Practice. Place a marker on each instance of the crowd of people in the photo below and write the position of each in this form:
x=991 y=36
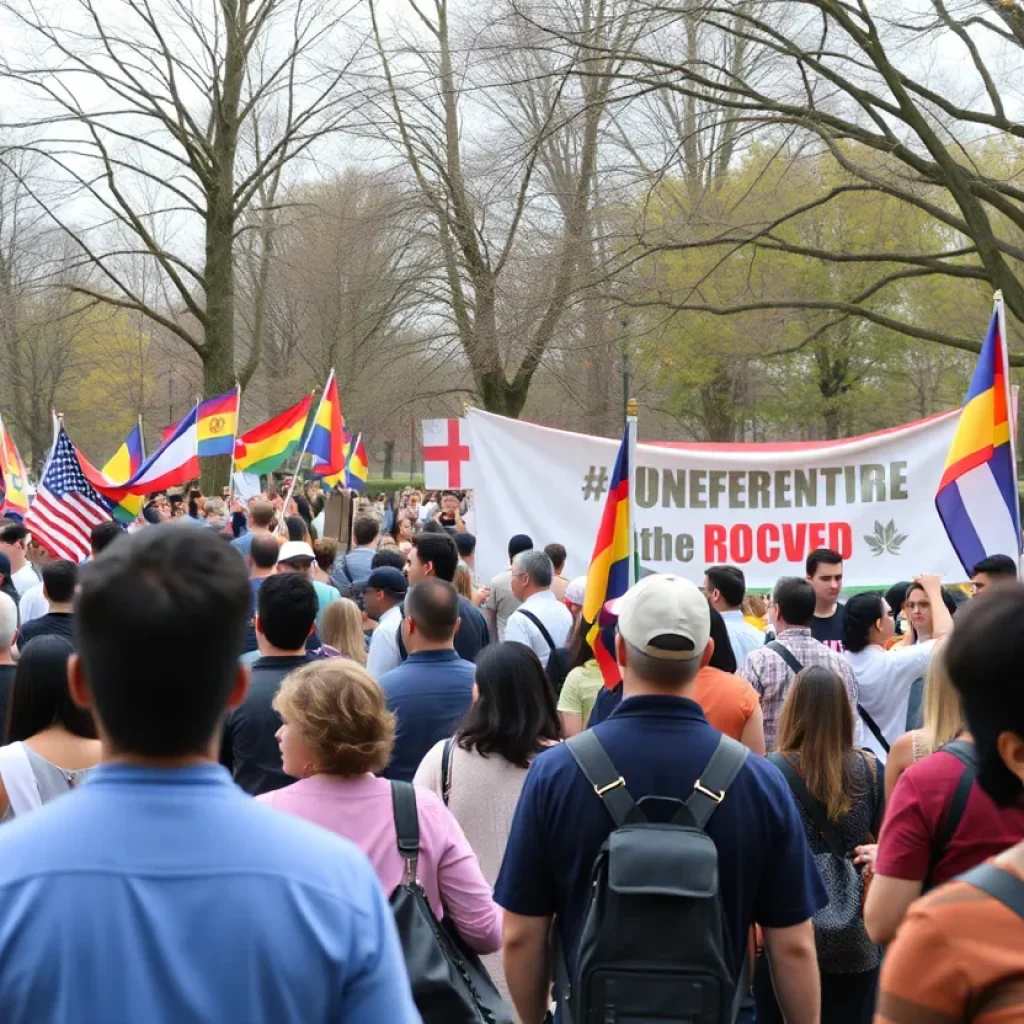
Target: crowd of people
x=783 y=807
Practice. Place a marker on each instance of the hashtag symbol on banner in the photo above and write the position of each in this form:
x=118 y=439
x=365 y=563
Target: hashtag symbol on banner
x=595 y=483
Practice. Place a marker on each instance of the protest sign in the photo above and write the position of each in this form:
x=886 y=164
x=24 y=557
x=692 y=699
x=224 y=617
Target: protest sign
x=761 y=507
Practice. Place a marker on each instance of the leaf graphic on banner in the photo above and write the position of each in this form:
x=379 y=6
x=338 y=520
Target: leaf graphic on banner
x=886 y=539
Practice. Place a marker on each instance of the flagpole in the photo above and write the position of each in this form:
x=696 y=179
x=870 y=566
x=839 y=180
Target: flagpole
x=631 y=426
x=1011 y=413
x=142 y=441
x=302 y=454
x=234 y=436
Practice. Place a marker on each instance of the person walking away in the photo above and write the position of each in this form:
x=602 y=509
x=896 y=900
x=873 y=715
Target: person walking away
x=558 y=555
x=262 y=562
x=297 y=556
x=60 y=577
x=726 y=586
x=325 y=550
x=351 y=570
x=8 y=631
x=884 y=678
x=180 y=863
x=285 y=611
x=660 y=744
x=433 y=688
x=771 y=669
x=479 y=772
x=51 y=743
x=541 y=621
x=336 y=735
x=501 y=601
x=578 y=688
x=839 y=790
x=385 y=591
x=993 y=571
x=14 y=544
x=943 y=722
x=825 y=574
x=341 y=629
x=959 y=953
x=729 y=702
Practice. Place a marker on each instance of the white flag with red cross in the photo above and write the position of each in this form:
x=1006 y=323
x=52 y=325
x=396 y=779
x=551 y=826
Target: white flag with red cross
x=447 y=459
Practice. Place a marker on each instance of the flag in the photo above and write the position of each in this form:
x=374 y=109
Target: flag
x=218 y=421
x=977 y=495
x=340 y=479
x=123 y=465
x=610 y=573
x=358 y=469
x=264 y=448
x=66 y=506
x=13 y=477
x=327 y=437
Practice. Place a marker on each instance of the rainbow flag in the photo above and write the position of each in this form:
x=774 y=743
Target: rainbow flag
x=611 y=573
x=327 y=437
x=123 y=465
x=13 y=478
x=264 y=448
x=358 y=469
x=218 y=422
x=977 y=495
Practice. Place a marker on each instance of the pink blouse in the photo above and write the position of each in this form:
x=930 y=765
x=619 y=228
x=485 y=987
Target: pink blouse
x=360 y=809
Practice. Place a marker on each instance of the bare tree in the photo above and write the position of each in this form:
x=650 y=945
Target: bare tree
x=149 y=111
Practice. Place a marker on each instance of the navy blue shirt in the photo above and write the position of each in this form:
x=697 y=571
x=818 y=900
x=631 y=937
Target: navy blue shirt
x=429 y=692
x=660 y=745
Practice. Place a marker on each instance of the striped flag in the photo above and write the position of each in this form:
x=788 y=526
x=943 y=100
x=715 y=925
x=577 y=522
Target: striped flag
x=977 y=495
x=66 y=506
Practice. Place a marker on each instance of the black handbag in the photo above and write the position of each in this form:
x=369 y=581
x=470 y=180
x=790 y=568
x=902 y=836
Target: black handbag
x=449 y=983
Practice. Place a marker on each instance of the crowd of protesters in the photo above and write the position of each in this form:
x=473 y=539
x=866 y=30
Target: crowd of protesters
x=868 y=842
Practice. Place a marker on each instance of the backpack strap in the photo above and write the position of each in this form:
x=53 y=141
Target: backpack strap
x=814 y=808
x=446 y=771
x=407 y=825
x=786 y=655
x=599 y=771
x=346 y=570
x=873 y=726
x=712 y=784
x=967 y=755
x=19 y=780
x=999 y=884
x=540 y=625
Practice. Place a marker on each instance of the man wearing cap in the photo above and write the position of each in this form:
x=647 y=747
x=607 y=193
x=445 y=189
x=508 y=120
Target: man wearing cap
x=382 y=600
x=296 y=556
x=501 y=602
x=660 y=742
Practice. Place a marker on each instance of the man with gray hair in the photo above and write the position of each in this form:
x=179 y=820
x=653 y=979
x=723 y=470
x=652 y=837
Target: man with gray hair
x=541 y=621
x=8 y=631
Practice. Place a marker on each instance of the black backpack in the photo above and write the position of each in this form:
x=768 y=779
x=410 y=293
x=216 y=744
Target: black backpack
x=653 y=942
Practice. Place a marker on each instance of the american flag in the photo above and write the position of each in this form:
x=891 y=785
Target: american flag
x=66 y=506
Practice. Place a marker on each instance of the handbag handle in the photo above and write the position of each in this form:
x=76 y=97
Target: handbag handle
x=812 y=805
x=407 y=826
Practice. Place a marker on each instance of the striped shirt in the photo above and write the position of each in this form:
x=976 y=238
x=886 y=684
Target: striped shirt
x=770 y=676
x=958 y=956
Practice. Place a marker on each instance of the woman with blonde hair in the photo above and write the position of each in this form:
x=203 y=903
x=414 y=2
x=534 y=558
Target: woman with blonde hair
x=337 y=734
x=463 y=581
x=943 y=721
x=341 y=627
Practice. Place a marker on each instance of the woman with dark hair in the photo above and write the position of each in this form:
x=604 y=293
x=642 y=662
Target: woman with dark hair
x=51 y=741
x=513 y=718
x=884 y=678
x=6 y=583
x=835 y=784
x=730 y=703
x=580 y=683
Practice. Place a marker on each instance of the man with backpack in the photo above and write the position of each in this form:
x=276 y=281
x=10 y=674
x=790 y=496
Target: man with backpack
x=656 y=843
x=352 y=569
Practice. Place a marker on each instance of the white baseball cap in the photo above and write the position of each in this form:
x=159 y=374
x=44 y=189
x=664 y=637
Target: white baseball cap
x=576 y=591
x=293 y=549
x=665 y=617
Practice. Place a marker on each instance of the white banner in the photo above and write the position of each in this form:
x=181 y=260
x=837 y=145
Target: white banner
x=761 y=507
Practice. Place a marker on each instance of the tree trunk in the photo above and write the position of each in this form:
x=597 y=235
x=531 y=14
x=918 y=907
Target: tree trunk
x=389 y=458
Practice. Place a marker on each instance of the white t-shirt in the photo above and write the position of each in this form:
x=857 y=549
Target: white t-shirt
x=384 y=654
x=24 y=579
x=557 y=621
x=33 y=604
x=884 y=679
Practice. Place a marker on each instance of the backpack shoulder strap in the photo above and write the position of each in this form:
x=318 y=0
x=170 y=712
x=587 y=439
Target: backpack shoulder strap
x=999 y=884
x=407 y=825
x=712 y=784
x=873 y=726
x=19 y=779
x=966 y=754
x=346 y=570
x=786 y=655
x=811 y=804
x=540 y=625
x=599 y=771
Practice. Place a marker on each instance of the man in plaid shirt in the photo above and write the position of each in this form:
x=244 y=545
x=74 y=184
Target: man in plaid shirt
x=770 y=672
